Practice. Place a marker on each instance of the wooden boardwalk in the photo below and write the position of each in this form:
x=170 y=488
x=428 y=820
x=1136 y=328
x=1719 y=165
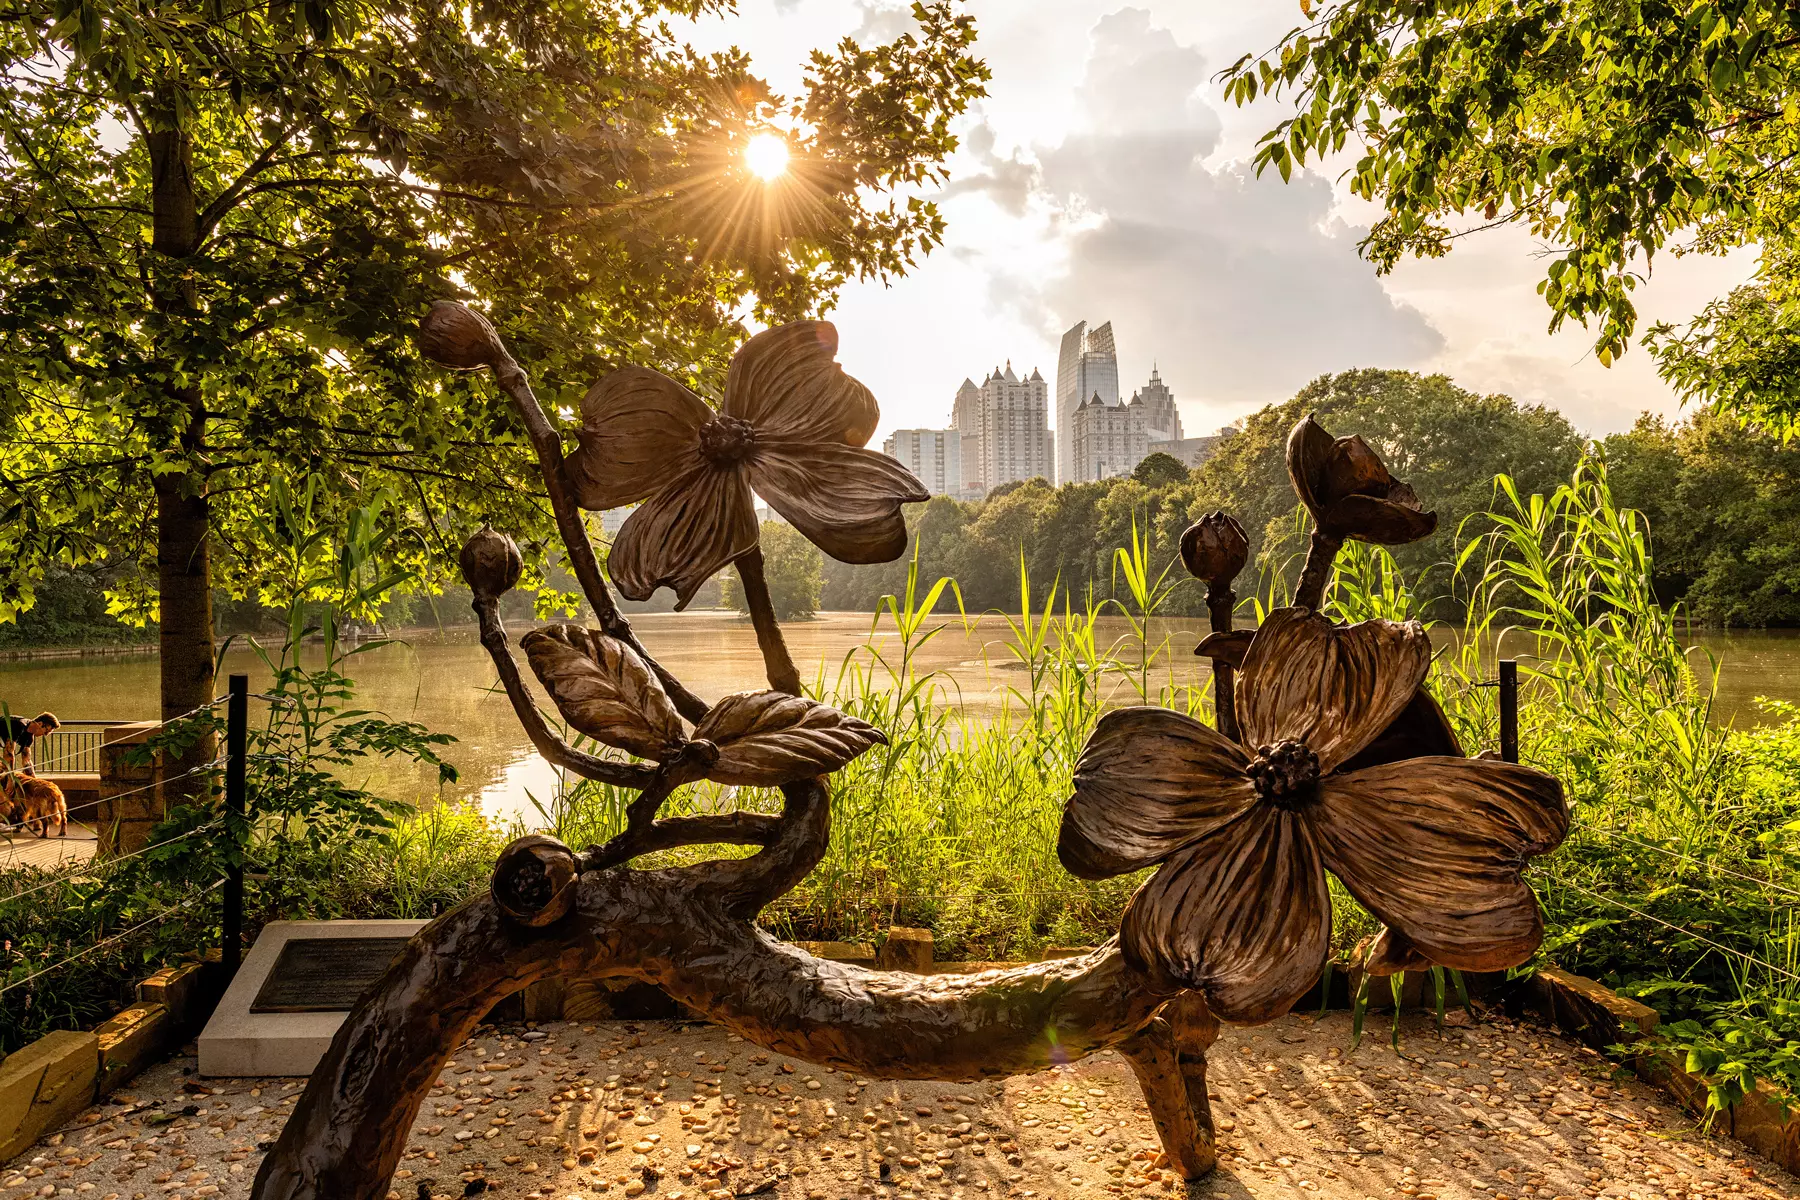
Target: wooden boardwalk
x=30 y=850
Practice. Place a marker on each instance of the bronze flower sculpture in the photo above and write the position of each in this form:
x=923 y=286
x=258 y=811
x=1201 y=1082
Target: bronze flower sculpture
x=1236 y=917
x=1238 y=908
x=791 y=426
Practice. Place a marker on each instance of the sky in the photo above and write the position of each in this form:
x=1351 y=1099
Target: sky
x=1105 y=177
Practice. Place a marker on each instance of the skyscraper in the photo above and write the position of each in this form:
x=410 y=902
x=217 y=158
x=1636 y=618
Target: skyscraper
x=1162 y=421
x=934 y=455
x=1087 y=366
x=1004 y=425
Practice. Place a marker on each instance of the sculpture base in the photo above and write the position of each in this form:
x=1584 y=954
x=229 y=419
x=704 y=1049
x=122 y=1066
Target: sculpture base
x=239 y=1041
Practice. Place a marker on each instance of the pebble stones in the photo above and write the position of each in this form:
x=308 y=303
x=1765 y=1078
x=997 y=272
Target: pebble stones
x=1496 y=1111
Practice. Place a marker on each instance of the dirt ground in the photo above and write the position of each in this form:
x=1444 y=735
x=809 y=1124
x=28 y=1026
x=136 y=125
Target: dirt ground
x=1495 y=1111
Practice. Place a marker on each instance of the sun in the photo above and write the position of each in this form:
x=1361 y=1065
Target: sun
x=767 y=156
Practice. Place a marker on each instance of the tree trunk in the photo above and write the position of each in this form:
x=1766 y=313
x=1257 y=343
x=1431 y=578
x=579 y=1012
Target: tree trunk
x=183 y=559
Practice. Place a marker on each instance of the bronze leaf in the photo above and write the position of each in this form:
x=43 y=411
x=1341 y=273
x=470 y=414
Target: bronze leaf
x=604 y=689
x=766 y=739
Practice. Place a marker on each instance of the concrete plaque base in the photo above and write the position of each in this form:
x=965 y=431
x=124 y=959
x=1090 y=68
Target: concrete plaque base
x=237 y=1041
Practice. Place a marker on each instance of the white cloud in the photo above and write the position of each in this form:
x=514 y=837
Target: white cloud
x=1104 y=177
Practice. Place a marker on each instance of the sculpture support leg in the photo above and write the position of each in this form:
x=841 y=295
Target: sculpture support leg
x=1168 y=1056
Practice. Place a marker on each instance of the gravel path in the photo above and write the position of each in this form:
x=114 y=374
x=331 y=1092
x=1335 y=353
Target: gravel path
x=1496 y=1111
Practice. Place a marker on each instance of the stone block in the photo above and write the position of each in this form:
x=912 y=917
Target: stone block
x=43 y=1087
x=905 y=950
x=859 y=953
x=1592 y=1012
x=239 y=1042
x=189 y=991
x=1667 y=1070
x=131 y=802
x=1767 y=1122
x=132 y=1041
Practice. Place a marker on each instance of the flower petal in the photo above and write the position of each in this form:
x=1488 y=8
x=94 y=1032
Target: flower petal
x=685 y=533
x=1420 y=731
x=1333 y=687
x=844 y=498
x=1309 y=449
x=1434 y=847
x=1390 y=953
x=1242 y=915
x=1149 y=782
x=786 y=382
x=638 y=428
x=1227 y=648
x=1370 y=519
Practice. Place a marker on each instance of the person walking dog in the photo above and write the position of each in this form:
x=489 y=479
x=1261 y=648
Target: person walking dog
x=16 y=737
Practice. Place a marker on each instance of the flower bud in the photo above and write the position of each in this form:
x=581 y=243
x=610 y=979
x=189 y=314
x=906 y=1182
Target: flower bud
x=491 y=563
x=534 y=880
x=455 y=335
x=1214 y=548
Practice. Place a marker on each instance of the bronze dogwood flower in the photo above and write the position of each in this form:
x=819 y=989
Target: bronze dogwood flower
x=792 y=427
x=1349 y=492
x=1244 y=834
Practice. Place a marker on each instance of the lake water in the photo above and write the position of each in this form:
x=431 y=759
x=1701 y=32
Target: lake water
x=446 y=682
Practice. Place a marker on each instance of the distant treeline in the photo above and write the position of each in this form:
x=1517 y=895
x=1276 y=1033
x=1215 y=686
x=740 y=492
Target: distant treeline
x=1723 y=503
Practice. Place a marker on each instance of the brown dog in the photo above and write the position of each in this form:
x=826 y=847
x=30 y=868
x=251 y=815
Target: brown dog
x=30 y=803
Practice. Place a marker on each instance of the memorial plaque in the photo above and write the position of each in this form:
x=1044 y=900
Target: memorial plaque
x=325 y=974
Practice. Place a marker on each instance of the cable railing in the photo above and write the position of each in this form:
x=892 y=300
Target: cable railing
x=229 y=884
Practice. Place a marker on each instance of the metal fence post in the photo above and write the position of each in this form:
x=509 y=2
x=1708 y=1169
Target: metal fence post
x=1509 y=710
x=237 y=720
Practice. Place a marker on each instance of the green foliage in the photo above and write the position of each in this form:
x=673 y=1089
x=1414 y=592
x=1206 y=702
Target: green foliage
x=1724 y=502
x=1605 y=130
x=1160 y=470
x=221 y=225
x=793 y=569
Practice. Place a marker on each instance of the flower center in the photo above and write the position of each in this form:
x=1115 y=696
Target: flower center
x=1286 y=775
x=727 y=440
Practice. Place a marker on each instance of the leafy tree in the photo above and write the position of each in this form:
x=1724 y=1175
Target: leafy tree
x=221 y=224
x=1723 y=504
x=1608 y=130
x=793 y=567
x=1160 y=470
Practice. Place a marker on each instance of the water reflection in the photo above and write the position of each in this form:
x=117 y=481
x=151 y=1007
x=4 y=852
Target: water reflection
x=445 y=682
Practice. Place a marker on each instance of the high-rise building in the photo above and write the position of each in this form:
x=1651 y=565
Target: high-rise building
x=1106 y=440
x=1109 y=439
x=1162 y=420
x=934 y=455
x=1004 y=425
x=1087 y=366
